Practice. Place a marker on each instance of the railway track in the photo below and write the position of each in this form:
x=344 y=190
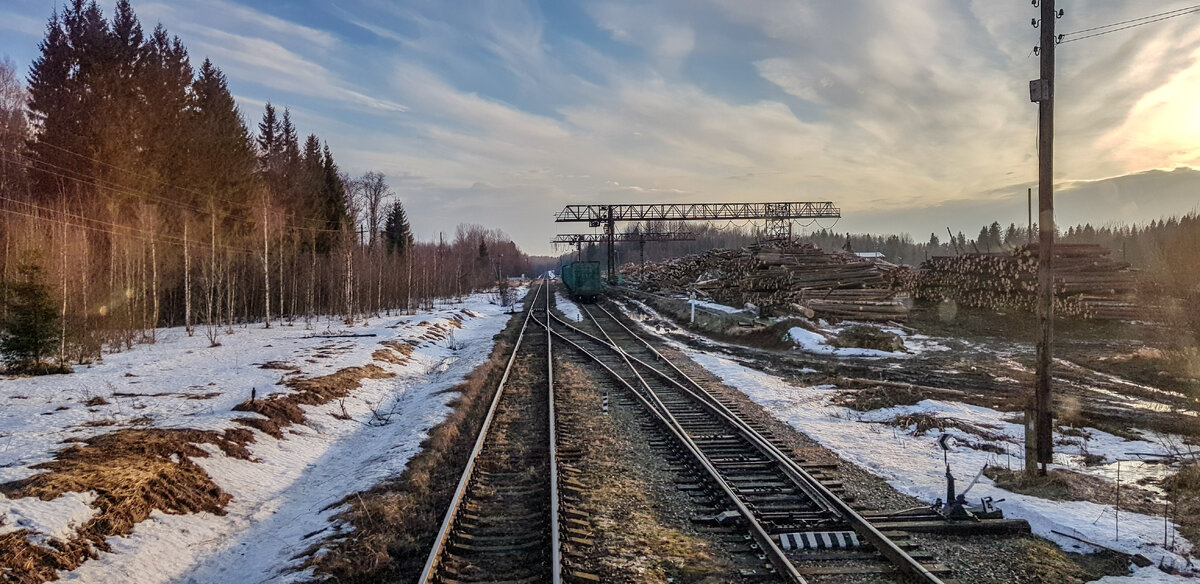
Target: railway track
x=779 y=502
x=503 y=524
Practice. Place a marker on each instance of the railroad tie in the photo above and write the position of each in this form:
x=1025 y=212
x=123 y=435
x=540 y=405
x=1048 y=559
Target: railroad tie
x=811 y=540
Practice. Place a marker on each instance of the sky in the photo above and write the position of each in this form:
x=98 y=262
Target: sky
x=911 y=116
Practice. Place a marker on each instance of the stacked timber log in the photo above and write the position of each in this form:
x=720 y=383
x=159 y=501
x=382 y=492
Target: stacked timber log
x=782 y=278
x=1087 y=283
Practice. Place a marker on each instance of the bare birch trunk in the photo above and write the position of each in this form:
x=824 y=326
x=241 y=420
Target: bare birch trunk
x=62 y=337
x=312 y=284
x=266 y=271
x=154 y=289
x=187 y=283
x=279 y=282
x=350 y=284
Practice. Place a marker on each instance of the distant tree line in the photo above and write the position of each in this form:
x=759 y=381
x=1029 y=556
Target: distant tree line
x=133 y=195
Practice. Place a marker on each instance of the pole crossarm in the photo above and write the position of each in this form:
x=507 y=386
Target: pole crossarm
x=581 y=238
x=599 y=214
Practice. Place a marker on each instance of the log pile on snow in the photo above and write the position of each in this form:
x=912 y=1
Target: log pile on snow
x=782 y=278
x=1087 y=283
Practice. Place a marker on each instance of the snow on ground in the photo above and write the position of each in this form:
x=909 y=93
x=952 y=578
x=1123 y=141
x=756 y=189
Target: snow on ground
x=817 y=342
x=814 y=342
x=281 y=502
x=567 y=307
x=46 y=520
x=913 y=464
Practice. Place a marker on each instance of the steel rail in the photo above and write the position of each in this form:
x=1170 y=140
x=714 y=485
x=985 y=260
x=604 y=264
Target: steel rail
x=886 y=547
x=779 y=559
x=555 y=544
x=800 y=479
x=439 y=543
x=764 y=540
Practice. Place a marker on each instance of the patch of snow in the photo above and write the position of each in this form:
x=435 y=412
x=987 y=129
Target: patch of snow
x=567 y=307
x=815 y=343
x=47 y=520
x=1149 y=574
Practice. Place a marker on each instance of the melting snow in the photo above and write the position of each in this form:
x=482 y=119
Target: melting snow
x=567 y=307
x=283 y=502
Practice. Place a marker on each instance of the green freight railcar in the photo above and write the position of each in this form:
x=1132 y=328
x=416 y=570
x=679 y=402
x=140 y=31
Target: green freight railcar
x=582 y=280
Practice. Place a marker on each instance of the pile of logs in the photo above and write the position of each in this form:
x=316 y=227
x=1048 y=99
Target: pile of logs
x=782 y=278
x=1087 y=283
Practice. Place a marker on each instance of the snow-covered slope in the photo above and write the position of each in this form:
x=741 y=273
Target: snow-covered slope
x=282 y=500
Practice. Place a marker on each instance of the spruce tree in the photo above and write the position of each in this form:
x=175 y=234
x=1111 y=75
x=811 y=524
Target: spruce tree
x=396 y=231
x=332 y=202
x=222 y=157
x=167 y=76
x=30 y=330
x=270 y=140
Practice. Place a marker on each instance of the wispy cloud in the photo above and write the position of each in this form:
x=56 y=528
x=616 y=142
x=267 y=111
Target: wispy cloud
x=906 y=113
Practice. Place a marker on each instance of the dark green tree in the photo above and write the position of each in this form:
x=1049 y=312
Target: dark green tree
x=61 y=105
x=396 y=231
x=270 y=140
x=222 y=156
x=167 y=77
x=332 y=209
x=30 y=330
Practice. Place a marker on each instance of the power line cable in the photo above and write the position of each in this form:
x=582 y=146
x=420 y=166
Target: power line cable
x=1191 y=10
x=98 y=183
x=153 y=179
x=92 y=223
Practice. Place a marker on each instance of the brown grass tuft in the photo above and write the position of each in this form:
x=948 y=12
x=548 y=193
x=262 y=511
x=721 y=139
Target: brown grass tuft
x=393 y=352
x=877 y=397
x=1068 y=485
x=283 y=409
x=133 y=473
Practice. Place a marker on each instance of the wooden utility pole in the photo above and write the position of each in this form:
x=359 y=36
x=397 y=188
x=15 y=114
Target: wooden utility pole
x=1029 y=208
x=1042 y=92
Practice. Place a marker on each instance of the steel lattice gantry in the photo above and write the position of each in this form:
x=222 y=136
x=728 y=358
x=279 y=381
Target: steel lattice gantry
x=578 y=239
x=778 y=217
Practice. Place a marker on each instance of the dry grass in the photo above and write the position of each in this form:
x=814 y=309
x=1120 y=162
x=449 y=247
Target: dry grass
x=283 y=410
x=1025 y=559
x=393 y=352
x=863 y=336
x=133 y=473
x=922 y=423
x=393 y=524
x=1183 y=489
x=878 y=397
x=1066 y=485
x=641 y=534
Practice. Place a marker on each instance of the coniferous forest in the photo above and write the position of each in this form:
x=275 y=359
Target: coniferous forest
x=135 y=195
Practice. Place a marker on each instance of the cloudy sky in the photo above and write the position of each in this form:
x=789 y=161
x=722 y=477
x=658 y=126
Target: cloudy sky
x=912 y=116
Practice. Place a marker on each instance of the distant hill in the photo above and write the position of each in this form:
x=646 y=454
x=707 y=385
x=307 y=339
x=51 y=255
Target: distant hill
x=1129 y=199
